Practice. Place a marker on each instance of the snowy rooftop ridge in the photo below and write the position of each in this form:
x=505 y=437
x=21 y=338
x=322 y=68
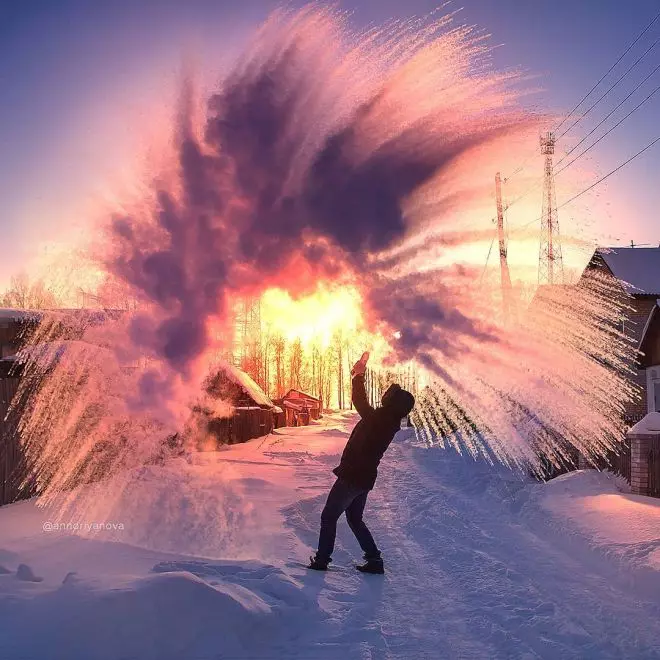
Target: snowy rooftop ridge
x=638 y=269
x=10 y=314
x=649 y=424
x=245 y=382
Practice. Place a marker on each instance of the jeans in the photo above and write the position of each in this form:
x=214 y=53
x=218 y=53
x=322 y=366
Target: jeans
x=351 y=499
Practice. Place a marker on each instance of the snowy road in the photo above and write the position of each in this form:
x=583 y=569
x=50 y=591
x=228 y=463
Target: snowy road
x=477 y=567
x=505 y=585
x=475 y=571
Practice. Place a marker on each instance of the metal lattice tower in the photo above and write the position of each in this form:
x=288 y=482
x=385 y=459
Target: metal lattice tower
x=551 y=266
x=247 y=335
x=505 y=277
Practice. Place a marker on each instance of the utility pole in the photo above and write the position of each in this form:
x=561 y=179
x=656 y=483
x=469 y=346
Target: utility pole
x=551 y=267
x=504 y=266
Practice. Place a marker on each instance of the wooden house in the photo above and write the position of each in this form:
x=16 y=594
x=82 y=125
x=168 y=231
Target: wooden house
x=637 y=275
x=15 y=325
x=299 y=408
x=251 y=415
x=293 y=413
x=310 y=403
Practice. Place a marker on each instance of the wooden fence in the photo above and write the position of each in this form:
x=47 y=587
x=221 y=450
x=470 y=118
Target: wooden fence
x=619 y=461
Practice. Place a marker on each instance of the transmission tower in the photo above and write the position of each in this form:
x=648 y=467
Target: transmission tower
x=551 y=267
x=504 y=266
x=247 y=335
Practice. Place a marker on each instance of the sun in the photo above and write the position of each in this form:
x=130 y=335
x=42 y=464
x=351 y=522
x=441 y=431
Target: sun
x=313 y=319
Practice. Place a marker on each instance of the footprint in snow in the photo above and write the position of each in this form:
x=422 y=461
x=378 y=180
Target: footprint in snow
x=26 y=574
x=71 y=578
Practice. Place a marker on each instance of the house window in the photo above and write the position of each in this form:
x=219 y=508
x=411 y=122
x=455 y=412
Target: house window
x=653 y=389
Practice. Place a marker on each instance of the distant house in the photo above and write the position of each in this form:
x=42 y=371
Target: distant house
x=299 y=408
x=637 y=275
x=14 y=325
x=250 y=413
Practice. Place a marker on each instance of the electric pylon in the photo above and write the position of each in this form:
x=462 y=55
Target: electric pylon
x=505 y=277
x=551 y=266
x=247 y=335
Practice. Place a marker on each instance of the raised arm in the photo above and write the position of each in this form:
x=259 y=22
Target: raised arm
x=359 y=395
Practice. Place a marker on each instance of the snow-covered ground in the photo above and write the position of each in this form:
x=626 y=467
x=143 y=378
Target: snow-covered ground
x=206 y=560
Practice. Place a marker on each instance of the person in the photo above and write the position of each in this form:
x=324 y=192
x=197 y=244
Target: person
x=358 y=470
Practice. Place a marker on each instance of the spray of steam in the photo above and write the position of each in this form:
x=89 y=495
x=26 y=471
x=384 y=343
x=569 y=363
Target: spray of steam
x=329 y=154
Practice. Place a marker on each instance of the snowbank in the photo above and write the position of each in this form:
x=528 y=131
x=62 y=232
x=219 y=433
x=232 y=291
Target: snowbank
x=600 y=506
x=210 y=559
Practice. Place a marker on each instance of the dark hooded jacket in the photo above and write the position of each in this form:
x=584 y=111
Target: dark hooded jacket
x=372 y=435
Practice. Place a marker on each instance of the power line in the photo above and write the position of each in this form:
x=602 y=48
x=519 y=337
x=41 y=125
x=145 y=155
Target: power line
x=586 y=96
x=625 y=52
x=483 y=272
x=582 y=153
x=609 y=114
x=604 y=135
x=524 y=194
x=593 y=185
x=520 y=168
x=609 y=174
x=611 y=87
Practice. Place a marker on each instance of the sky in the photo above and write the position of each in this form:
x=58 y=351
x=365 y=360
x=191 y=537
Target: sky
x=86 y=84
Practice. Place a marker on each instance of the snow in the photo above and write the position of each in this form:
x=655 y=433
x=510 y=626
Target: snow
x=208 y=563
x=87 y=316
x=8 y=314
x=615 y=522
x=648 y=424
x=637 y=268
x=245 y=382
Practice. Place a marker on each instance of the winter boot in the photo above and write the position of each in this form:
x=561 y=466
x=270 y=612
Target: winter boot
x=317 y=564
x=373 y=566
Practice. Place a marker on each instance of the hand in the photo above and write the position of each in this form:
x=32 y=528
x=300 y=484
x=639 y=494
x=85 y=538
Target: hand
x=360 y=366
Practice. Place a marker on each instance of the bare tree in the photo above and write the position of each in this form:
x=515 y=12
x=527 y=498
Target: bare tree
x=279 y=348
x=339 y=347
x=26 y=294
x=295 y=362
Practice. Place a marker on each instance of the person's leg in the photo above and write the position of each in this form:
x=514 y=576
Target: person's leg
x=339 y=498
x=362 y=534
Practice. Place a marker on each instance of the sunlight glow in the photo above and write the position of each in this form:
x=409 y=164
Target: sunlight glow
x=313 y=319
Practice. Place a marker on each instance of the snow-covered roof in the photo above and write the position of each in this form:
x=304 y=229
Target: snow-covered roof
x=248 y=386
x=649 y=424
x=7 y=314
x=287 y=403
x=91 y=316
x=302 y=395
x=638 y=269
x=45 y=354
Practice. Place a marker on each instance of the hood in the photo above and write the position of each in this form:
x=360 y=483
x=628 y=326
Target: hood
x=398 y=401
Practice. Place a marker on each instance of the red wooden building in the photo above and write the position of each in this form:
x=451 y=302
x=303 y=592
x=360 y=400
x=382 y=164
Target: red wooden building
x=298 y=408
